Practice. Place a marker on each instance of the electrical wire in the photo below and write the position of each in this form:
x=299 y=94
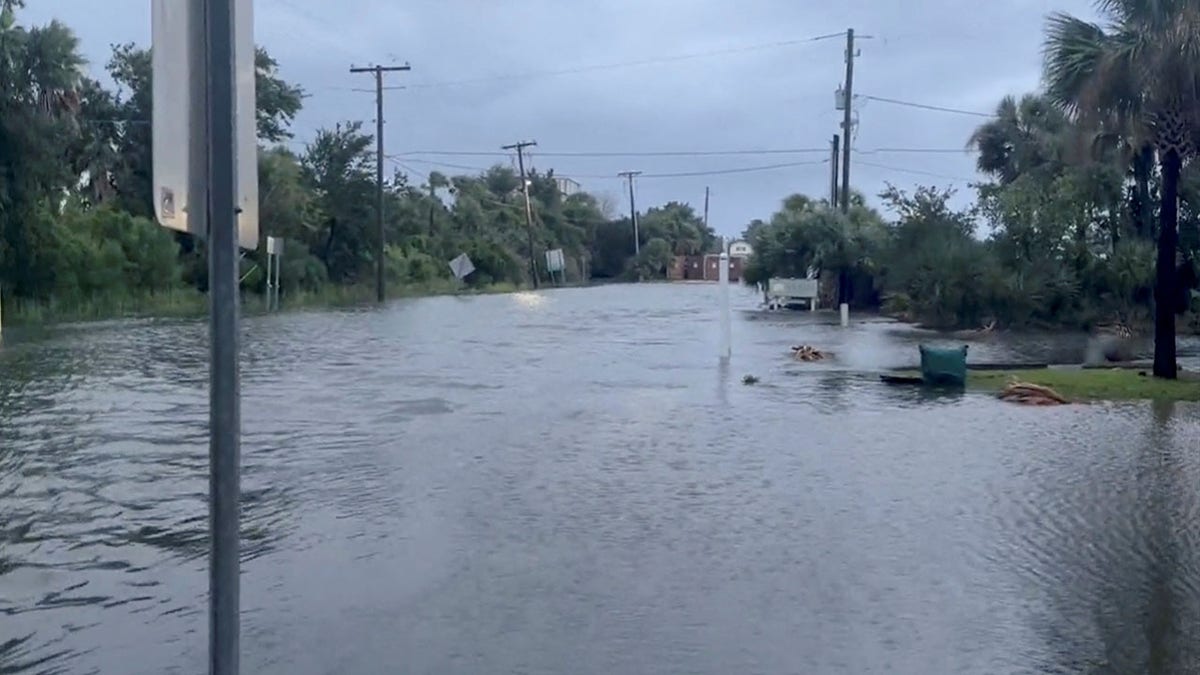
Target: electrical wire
x=625 y=64
x=915 y=171
x=681 y=153
x=924 y=106
x=677 y=174
x=722 y=172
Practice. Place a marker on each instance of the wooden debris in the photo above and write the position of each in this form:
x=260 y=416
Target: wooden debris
x=749 y=379
x=808 y=353
x=1031 y=394
x=981 y=332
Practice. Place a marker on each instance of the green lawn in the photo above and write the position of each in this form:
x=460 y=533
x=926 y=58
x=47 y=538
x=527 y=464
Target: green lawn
x=1080 y=384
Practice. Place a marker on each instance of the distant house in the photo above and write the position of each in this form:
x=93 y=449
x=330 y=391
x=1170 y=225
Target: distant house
x=705 y=267
x=566 y=186
x=740 y=249
x=686 y=268
x=712 y=267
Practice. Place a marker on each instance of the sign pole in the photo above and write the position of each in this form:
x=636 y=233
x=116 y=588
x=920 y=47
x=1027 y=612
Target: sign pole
x=215 y=187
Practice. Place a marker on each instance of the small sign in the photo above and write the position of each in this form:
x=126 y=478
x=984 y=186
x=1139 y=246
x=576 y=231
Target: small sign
x=176 y=112
x=274 y=246
x=461 y=266
x=167 y=205
x=555 y=262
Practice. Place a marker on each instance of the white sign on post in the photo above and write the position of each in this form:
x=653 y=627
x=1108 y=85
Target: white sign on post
x=461 y=266
x=175 y=114
x=274 y=246
x=555 y=262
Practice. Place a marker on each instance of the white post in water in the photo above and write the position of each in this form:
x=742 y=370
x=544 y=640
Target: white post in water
x=845 y=310
x=723 y=283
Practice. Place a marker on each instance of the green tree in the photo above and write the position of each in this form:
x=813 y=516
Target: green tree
x=1144 y=69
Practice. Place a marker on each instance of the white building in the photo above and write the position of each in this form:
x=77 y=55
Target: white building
x=566 y=186
x=740 y=249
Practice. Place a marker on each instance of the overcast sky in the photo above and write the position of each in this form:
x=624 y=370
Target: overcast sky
x=712 y=76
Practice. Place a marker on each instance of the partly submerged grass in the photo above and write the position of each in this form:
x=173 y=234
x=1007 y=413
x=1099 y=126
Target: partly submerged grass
x=170 y=304
x=1087 y=384
x=186 y=302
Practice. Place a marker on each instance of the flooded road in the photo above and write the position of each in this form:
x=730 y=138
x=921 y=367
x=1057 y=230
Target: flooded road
x=569 y=482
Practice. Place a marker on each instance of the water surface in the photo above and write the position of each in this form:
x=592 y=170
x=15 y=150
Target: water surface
x=569 y=481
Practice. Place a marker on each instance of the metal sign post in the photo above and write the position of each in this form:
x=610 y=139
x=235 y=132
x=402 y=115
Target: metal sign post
x=219 y=174
x=274 y=260
x=556 y=262
x=205 y=183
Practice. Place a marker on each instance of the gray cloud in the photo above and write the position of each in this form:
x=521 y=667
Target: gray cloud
x=949 y=53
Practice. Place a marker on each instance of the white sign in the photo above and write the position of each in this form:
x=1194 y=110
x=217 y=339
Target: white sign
x=555 y=262
x=175 y=115
x=274 y=246
x=461 y=266
x=792 y=288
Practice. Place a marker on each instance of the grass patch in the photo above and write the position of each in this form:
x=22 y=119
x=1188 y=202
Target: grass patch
x=1079 y=384
x=169 y=304
x=189 y=303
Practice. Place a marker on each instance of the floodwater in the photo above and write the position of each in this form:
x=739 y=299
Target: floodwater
x=569 y=482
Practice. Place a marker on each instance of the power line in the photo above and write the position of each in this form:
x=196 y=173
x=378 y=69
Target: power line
x=683 y=153
x=917 y=151
x=722 y=172
x=627 y=64
x=646 y=153
x=925 y=106
x=916 y=172
x=682 y=174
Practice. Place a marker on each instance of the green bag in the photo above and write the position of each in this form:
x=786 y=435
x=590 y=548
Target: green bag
x=943 y=365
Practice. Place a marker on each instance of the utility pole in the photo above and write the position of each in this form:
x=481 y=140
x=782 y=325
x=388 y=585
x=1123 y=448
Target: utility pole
x=432 y=201
x=628 y=176
x=382 y=237
x=833 y=174
x=847 y=121
x=706 y=207
x=520 y=148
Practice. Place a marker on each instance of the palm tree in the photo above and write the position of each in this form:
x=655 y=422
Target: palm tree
x=39 y=104
x=1025 y=136
x=1143 y=70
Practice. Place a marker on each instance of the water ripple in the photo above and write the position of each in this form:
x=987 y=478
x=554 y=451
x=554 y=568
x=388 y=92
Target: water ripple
x=569 y=481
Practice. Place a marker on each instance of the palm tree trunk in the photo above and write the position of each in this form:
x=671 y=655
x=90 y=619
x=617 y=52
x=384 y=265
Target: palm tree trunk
x=1143 y=211
x=1166 y=282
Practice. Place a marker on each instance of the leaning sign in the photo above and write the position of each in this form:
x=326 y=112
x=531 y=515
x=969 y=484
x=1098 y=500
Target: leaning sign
x=179 y=107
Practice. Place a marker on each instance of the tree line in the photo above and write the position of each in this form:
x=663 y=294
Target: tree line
x=1089 y=213
x=77 y=218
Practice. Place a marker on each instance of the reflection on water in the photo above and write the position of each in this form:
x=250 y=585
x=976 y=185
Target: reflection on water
x=570 y=481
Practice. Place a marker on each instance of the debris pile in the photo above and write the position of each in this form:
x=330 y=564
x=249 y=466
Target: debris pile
x=1031 y=394
x=808 y=353
x=749 y=379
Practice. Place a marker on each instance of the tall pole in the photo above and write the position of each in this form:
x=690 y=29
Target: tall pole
x=637 y=244
x=432 y=201
x=833 y=174
x=705 y=207
x=214 y=183
x=847 y=121
x=381 y=237
x=520 y=148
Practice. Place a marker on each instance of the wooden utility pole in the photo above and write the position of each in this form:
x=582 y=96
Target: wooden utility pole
x=706 y=207
x=847 y=120
x=520 y=148
x=381 y=243
x=629 y=176
x=833 y=174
